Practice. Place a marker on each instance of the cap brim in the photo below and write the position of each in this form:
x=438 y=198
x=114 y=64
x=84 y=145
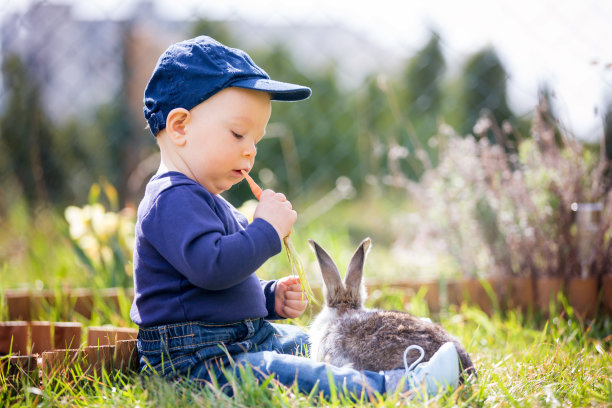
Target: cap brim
x=280 y=91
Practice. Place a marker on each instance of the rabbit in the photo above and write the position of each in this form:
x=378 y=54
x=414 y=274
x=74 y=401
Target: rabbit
x=345 y=333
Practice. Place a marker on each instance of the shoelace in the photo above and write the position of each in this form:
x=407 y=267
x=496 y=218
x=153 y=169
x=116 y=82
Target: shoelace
x=412 y=366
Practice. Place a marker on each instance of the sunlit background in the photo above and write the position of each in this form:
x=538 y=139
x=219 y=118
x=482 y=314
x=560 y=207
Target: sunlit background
x=470 y=139
x=558 y=44
x=407 y=100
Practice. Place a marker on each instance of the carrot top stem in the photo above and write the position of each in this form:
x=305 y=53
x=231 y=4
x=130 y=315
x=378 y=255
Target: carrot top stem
x=298 y=269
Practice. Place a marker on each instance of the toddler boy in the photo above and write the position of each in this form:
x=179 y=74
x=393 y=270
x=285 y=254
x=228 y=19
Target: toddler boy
x=200 y=307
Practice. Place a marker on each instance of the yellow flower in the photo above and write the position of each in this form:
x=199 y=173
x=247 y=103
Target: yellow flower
x=90 y=246
x=93 y=228
x=95 y=214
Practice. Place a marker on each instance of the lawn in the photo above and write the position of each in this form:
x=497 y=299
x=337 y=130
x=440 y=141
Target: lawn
x=522 y=359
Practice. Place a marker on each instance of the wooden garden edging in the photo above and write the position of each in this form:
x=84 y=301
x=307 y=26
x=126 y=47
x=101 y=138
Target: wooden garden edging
x=586 y=296
x=24 y=304
x=41 y=350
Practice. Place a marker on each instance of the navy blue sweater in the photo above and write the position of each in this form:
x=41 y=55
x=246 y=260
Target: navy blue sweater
x=195 y=257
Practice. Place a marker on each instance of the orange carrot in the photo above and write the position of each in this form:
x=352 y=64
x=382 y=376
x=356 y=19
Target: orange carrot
x=254 y=187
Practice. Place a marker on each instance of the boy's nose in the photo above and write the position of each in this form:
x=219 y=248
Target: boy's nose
x=250 y=150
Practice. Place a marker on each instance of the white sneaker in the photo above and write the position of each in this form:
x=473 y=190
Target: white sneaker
x=439 y=373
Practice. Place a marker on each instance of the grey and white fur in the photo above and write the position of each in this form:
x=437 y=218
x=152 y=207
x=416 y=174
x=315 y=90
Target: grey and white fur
x=345 y=333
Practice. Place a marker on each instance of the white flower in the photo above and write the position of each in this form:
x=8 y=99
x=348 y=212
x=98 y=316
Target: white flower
x=76 y=221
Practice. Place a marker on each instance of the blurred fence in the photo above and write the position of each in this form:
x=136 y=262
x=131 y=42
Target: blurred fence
x=71 y=101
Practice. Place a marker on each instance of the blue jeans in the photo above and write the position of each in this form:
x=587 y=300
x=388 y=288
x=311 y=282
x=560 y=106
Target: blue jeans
x=200 y=351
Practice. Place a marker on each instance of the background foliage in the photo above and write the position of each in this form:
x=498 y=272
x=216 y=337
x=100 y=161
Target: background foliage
x=341 y=131
x=426 y=158
x=429 y=161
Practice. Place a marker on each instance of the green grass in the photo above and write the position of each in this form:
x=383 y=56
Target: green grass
x=522 y=360
x=559 y=362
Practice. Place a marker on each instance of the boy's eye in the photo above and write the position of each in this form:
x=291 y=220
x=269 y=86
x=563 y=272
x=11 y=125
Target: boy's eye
x=236 y=135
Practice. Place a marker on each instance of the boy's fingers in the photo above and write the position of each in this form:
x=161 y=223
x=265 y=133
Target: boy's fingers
x=267 y=192
x=295 y=295
x=291 y=282
x=296 y=287
x=290 y=313
x=277 y=196
x=295 y=305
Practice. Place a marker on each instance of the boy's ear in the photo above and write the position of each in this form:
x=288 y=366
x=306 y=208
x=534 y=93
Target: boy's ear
x=177 y=120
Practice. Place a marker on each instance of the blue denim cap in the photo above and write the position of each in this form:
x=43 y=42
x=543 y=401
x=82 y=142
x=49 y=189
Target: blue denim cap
x=191 y=71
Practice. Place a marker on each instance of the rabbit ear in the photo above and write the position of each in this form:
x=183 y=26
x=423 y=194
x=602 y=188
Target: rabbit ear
x=354 y=272
x=329 y=270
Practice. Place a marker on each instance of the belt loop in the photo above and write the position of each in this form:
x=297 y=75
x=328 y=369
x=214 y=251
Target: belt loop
x=250 y=328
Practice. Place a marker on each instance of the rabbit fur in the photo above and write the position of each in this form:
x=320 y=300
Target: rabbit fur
x=345 y=333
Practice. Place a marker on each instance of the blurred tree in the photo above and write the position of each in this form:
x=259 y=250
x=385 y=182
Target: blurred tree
x=377 y=122
x=111 y=133
x=121 y=121
x=328 y=133
x=400 y=115
x=310 y=143
x=29 y=152
x=81 y=157
x=423 y=94
x=607 y=122
x=484 y=84
x=422 y=102
x=58 y=163
x=107 y=143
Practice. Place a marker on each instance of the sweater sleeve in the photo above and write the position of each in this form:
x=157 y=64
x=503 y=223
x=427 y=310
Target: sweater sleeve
x=269 y=290
x=185 y=229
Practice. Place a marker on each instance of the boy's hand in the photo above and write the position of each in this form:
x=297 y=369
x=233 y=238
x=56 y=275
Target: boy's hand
x=289 y=300
x=277 y=210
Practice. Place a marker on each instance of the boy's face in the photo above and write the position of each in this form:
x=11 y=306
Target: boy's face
x=222 y=137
